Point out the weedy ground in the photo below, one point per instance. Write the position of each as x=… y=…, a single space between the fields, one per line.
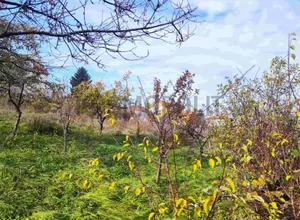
x=39 y=181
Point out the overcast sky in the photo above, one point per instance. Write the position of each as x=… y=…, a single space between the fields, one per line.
x=235 y=34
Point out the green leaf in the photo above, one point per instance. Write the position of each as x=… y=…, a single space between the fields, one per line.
x=293 y=34
x=293 y=56
x=292 y=47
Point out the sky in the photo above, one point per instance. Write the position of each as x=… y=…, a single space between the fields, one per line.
x=236 y=34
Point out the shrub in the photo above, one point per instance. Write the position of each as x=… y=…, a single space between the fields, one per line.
x=43 y=125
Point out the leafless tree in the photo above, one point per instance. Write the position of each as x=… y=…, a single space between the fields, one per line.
x=19 y=84
x=66 y=26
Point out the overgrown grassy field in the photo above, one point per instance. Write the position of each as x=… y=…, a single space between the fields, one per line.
x=38 y=181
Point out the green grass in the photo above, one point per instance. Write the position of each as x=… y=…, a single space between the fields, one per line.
x=32 y=183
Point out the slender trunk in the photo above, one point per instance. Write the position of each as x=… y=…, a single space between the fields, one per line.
x=17 y=104
x=138 y=129
x=158 y=170
x=101 y=122
x=200 y=145
x=65 y=139
x=17 y=123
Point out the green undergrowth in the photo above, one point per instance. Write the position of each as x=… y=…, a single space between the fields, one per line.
x=38 y=181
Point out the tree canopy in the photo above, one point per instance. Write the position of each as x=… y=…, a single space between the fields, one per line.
x=80 y=76
x=65 y=25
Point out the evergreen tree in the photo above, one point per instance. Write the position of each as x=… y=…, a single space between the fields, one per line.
x=80 y=76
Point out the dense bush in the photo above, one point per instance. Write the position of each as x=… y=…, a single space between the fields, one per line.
x=43 y=125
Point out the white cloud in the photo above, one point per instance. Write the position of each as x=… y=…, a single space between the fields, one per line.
x=246 y=33
x=212 y=6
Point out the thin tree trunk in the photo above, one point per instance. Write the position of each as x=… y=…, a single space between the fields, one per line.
x=101 y=122
x=138 y=129
x=17 y=123
x=65 y=139
x=158 y=169
x=17 y=104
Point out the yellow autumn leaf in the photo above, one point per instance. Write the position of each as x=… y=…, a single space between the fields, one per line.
x=198 y=162
x=192 y=199
x=225 y=188
x=215 y=194
x=206 y=204
x=141 y=145
x=84 y=183
x=100 y=177
x=298 y=114
x=234 y=166
x=126 y=145
x=111 y=186
x=211 y=163
x=155 y=149
x=151 y=215
x=197 y=211
x=137 y=191
x=126 y=188
x=284 y=141
x=147 y=143
x=145 y=150
x=231 y=184
x=131 y=165
x=259 y=198
x=194 y=167
x=261 y=181
x=174 y=123
x=179 y=201
x=175 y=137
x=162 y=210
x=128 y=158
x=249 y=142
x=245 y=148
x=265 y=205
x=274 y=205
x=221 y=146
x=219 y=161
x=273 y=152
x=161 y=204
x=70 y=175
x=288 y=177
x=245 y=183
